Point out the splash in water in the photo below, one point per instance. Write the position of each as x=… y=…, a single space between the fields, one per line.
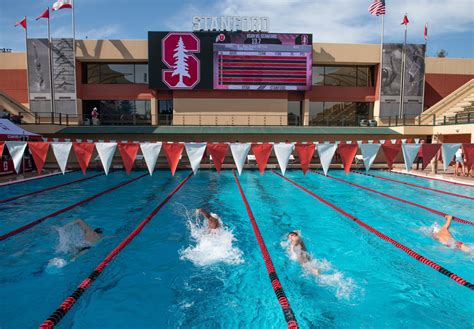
x=71 y=239
x=328 y=276
x=55 y=265
x=211 y=246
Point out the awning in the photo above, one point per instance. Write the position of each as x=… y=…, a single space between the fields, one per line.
x=9 y=131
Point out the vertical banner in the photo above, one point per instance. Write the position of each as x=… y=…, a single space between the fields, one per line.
x=392 y=54
x=413 y=82
x=63 y=75
x=38 y=75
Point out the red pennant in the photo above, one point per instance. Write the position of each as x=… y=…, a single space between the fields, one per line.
x=44 y=14
x=391 y=151
x=39 y=150
x=398 y=141
x=428 y=151
x=173 y=153
x=83 y=153
x=128 y=151
x=468 y=150
x=305 y=154
x=409 y=140
x=348 y=153
x=2 y=145
x=218 y=153
x=262 y=154
x=22 y=23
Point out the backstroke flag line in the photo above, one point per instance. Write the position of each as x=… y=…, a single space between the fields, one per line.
x=447 y=152
x=283 y=153
x=326 y=153
x=106 y=154
x=195 y=152
x=61 y=152
x=150 y=153
x=369 y=152
x=239 y=153
x=16 y=150
x=409 y=154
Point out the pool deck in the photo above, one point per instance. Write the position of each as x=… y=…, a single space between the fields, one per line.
x=447 y=176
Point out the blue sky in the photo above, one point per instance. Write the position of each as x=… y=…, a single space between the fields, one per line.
x=451 y=23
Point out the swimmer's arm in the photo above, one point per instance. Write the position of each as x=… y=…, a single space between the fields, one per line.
x=86 y=228
x=204 y=213
x=448 y=222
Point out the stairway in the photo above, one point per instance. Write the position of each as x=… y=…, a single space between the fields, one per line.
x=16 y=108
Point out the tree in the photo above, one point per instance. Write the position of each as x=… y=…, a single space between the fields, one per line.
x=442 y=53
x=181 y=62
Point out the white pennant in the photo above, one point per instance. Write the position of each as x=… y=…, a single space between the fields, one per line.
x=393 y=141
x=417 y=140
x=382 y=141
x=239 y=153
x=16 y=149
x=409 y=154
x=150 y=153
x=404 y=140
x=106 y=153
x=369 y=152
x=283 y=152
x=195 y=153
x=326 y=153
x=448 y=151
x=61 y=152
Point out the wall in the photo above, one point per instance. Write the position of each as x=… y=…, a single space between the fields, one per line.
x=13 y=76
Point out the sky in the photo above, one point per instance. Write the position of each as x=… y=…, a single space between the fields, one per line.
x=450 y=22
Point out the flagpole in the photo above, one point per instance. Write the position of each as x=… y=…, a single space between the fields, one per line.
x=381 y=62
x=424 y=75
x=27 y=70
x=50 y=62
x=402 y=85
x=74 y=52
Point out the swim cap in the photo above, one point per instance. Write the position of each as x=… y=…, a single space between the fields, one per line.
x=99 y=230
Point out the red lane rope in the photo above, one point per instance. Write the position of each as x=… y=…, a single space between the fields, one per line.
x=414 y=185
x=29 y=179
x=408 y=251
x=42 y=219
x=64 y=308
x=434 y=211
x=429 y=178
x=48 y=189
x=276 y=284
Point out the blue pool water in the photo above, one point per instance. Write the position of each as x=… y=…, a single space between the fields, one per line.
x=175 y=275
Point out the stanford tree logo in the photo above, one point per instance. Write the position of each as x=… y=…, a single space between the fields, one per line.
x=183 y=66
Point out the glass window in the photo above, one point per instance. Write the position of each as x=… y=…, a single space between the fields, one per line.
x=294 y=113
x=93 y=73
x=119 y=112
x=337 y=113
x=141 y=73
x=318 y=75
x=363 y=76
x=316 y=113
x=340 y=76
x=165 y=112
x=116 y=73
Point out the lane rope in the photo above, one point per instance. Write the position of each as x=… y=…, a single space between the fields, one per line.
x=42 y=219
x=276 y=284
x=434 y=211
x=29 y=179
x=408 y=251
x=65 y=307
x=413 y=185
x=49 y=188
x=429 y=178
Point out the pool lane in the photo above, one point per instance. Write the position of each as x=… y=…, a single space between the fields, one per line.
x=392 y=289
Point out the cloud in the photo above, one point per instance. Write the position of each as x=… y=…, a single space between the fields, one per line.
x=344 y=20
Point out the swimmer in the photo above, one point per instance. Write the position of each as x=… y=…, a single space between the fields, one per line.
x=445 y=237
x=298 y=250
x=212 y=222
x=89 y=236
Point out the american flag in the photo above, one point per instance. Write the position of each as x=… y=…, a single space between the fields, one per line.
x=377 y=8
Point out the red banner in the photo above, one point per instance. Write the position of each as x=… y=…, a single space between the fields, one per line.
x=347 y=153
x=305 y=154
x=2 y=145
x=128 y=151
x=39 y=151
x=173 y=154
x=83 y=153
x=468 y=150
x=429 y=151
x=218 y=153
x=391 y=151
x=262 y=154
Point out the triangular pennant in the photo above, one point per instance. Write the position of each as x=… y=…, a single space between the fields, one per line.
x=150 y=153
x=283 y=152
x=382 y=141
x=448 y=150
x=195 y=153
x=217 y=152
x=468 y=150
x=391 y=151
x=393 y=141
x=239 y=153
x=262 y=154
x=128 y=152
x=16 y=150
x=305 y=154
x=39 y=151
x=106 y=154
x=173 y=153
x=417 y=140
x=326 y=153
x=83 y=151
x=410 y=152
x=428 y=151
x=2 y=145
x=348 y=153
x=61 y=152
x=369 y=152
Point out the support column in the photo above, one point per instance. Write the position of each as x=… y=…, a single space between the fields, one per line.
x=154 y=111
x=80 y=116
x=305 y=112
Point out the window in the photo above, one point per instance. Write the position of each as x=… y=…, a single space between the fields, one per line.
x=294 y=113
x=114 y=73
x=119 y=112
x=165 y=112
x=344 y=76
x=338 y=113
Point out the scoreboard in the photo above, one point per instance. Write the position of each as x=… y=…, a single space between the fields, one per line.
x=230 y=61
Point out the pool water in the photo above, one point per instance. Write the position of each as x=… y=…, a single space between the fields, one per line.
x=174 y=274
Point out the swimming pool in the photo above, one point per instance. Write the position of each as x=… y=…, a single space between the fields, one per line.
x=174 y=274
